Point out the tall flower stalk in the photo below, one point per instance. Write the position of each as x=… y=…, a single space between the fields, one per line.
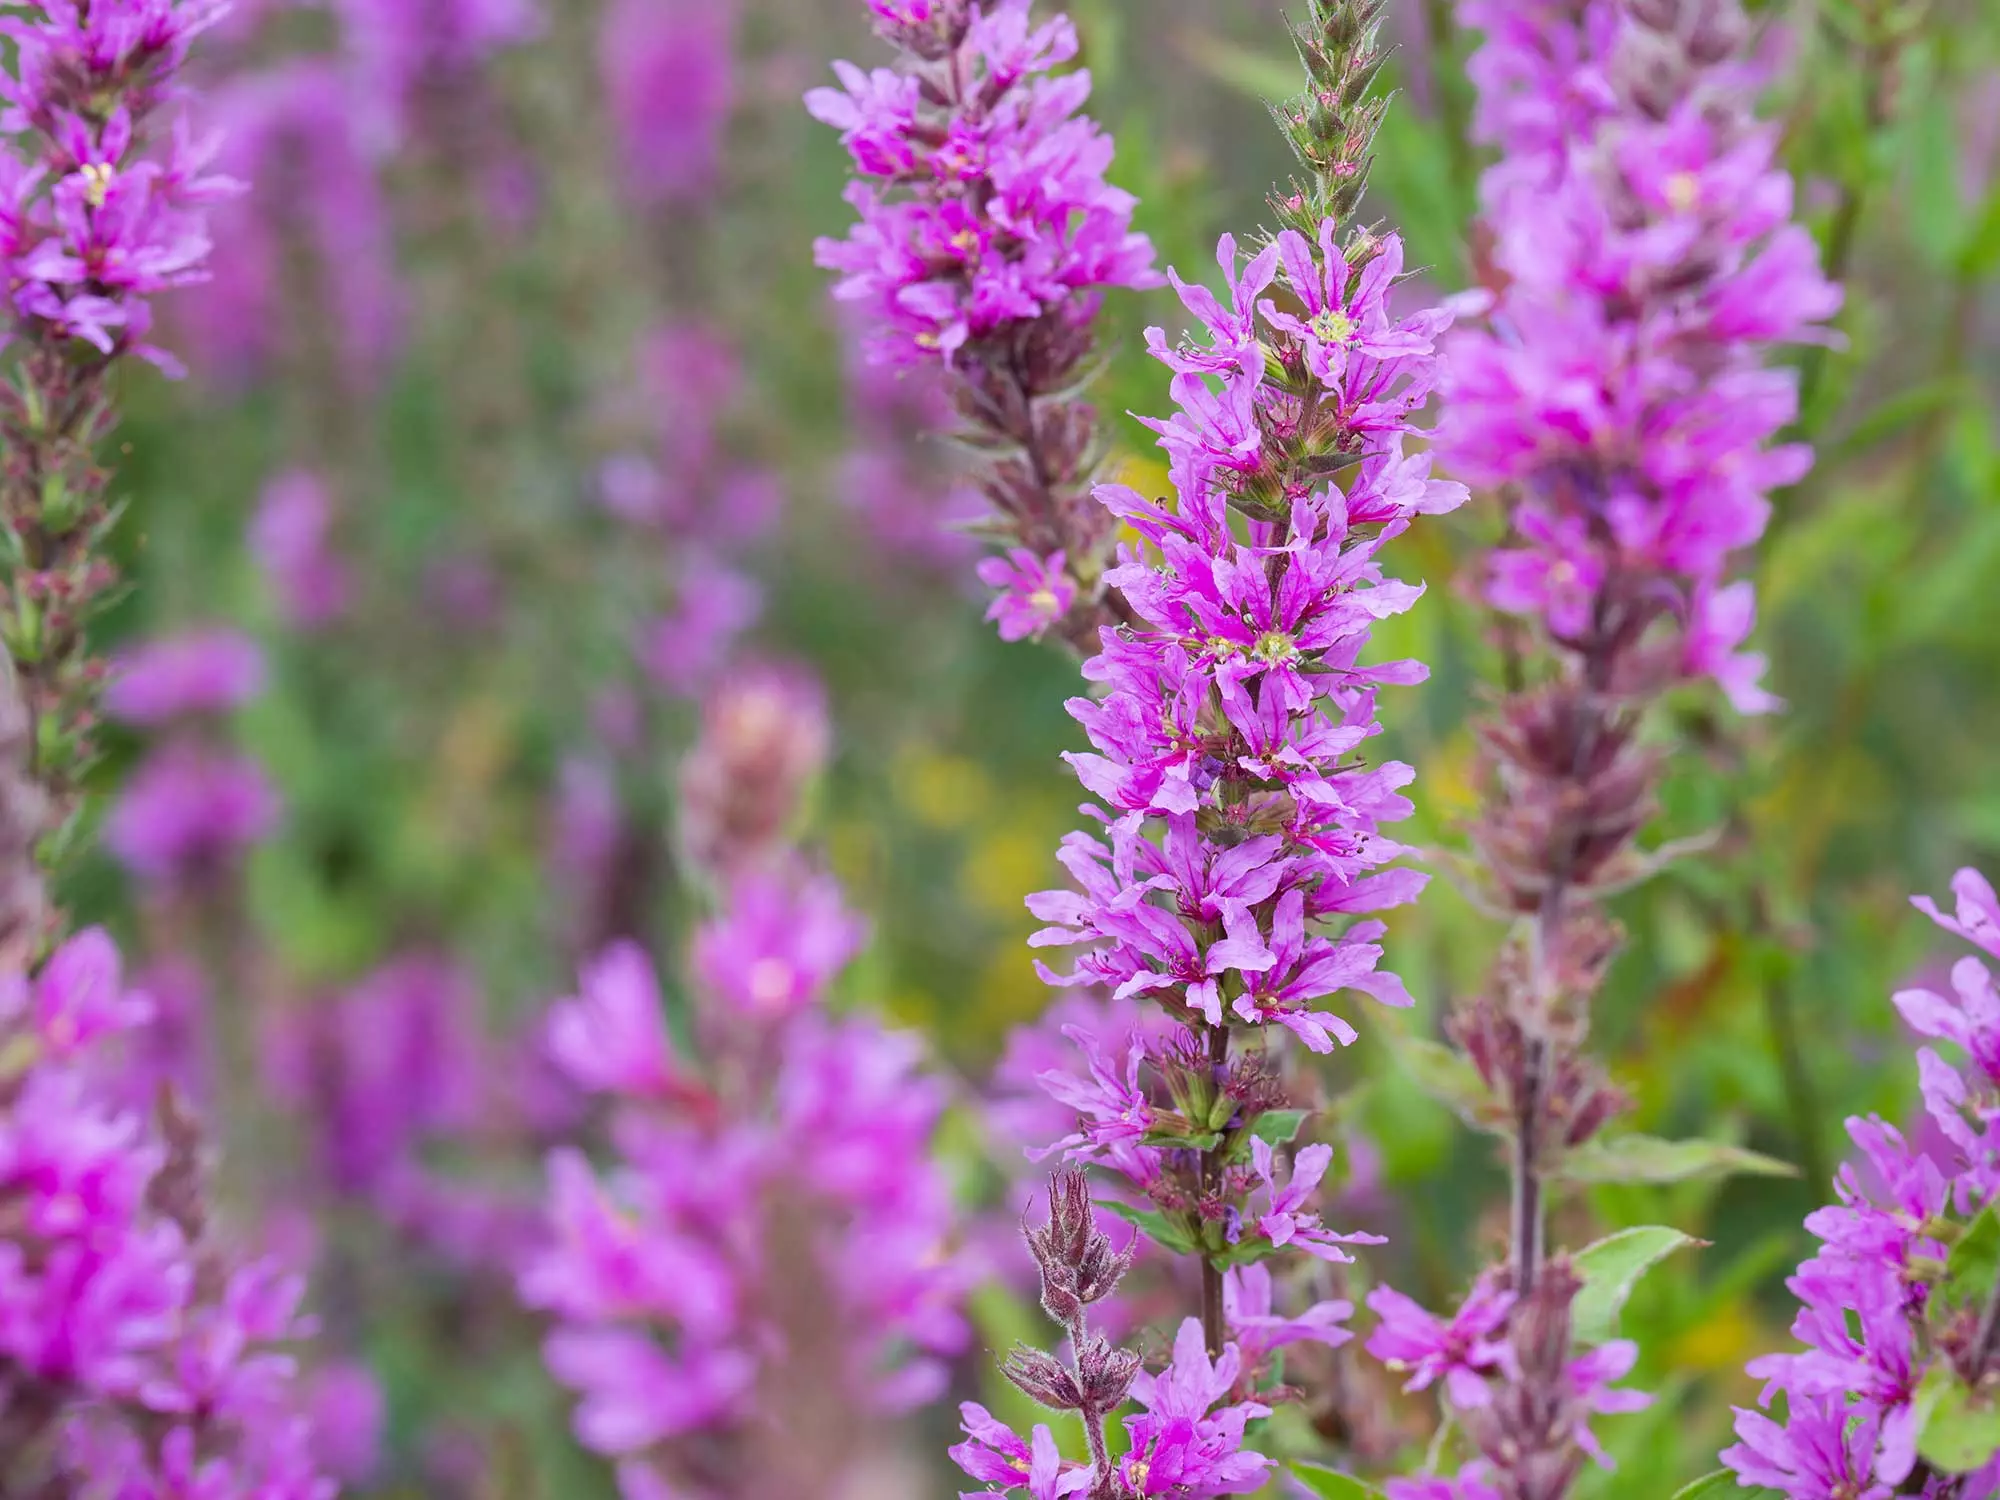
x=102 y=192
x=1239 y=825
x=987 y=231
x=1900 y=1307
x=771 y=1245
x=136 y=1351
x=1619 y=404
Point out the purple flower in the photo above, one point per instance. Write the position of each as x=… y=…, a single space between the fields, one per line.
x=189 y=810
x=1000 y=212
x=79 y=997
x=613 y=1036
x=1470 y=1484
x=684 y=650
x=636 y=1394
x=778 y=945
x=290 y=538
x=1825 y=1448
x=1867 y=1297
x=1589 y=1377
x=296 y=132
x=669 y=81
x=1284 y=1219
x=802 y=1157
x=200 y=672
x=1618 y=387
x=1035 y=593
x=1978 y=916
x=375 y=1071
x=993 y=1455
x=1183 y=1445
x=1462 y=1353
x=1247 y=1310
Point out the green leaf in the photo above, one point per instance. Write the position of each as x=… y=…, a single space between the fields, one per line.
x=1276 y=1127
x=1958 y=1432
x=1182 y=1139
x=1647 y=1158
x=1157 y=1226
x=1448 y=1077
x=1332 y=1485
x=1974 y=1263
x=1722 y=1485
x=1610 y=1269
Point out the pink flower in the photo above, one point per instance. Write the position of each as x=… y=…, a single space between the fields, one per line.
x=613 y=1036
x=1463 y=1353
x=1035 y=593
x=200 y=672
x=778 y=945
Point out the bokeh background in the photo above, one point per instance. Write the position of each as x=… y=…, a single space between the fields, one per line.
x=433 y=327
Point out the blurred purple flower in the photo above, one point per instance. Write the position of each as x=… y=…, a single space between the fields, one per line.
x=778 y=943
x=669 y=82
x=188 y=811
x=377 y=1070
x=290 y=537
x=293 y=132
x=198 y=672
x=683 y=650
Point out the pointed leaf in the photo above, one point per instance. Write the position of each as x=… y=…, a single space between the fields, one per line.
x=1974 y=1263
x=1959 y=1432
x=1330 y=1484
x=1277 y=1127
x=1647 y=1158
x=1610 y=1269
x=1157 y=1226
x=1723 y=1485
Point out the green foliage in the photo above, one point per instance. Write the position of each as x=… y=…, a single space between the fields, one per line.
x=1331 y=1485
x=1957 y=1430
x=1610 y=1269
x=1645 y=1158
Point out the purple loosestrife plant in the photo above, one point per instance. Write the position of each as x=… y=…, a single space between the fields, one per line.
x=137 y=1355
x=763 y=1275
x=1618 y=402
x=102 y=207
x=1239 y=827
x=986 y=233
x=1899 y=1310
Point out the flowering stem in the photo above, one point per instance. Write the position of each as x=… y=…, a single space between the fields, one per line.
x=1528 y=1202
x=1103 y=1485
x=1211 y=1171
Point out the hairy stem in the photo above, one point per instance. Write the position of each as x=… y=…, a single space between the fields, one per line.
x=1212 y=1329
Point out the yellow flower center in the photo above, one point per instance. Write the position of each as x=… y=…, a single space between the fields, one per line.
x=1333 y=327
x=1683 y=192
x=96 y=183
x=1275 y=646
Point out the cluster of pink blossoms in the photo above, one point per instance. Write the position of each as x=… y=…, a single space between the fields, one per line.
x=1888 y=1300
x=1238 y=812
x=794 y=1151
x=131 y=1363
x=94 y=225
x=1647 y=263
x=192 y=806
x=992 y=207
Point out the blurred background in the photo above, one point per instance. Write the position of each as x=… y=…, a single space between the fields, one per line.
x=519 y=282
